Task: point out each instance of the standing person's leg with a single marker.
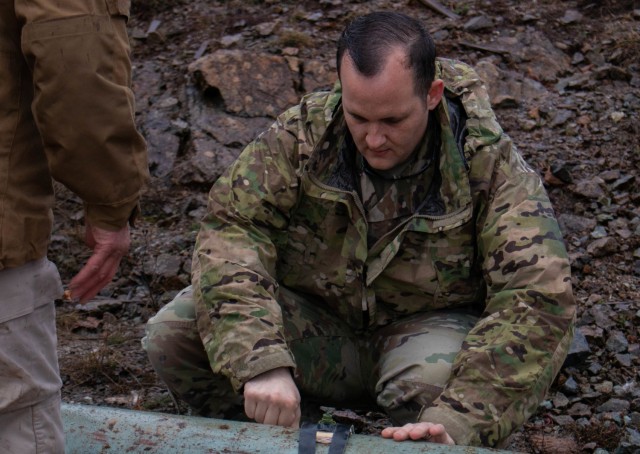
(412, 359)
(30, 419)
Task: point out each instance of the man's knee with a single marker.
(177, 354)
(403, 395)
(172, 342)
(416, 359)
(173, 327)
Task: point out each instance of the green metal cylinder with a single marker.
(91, 429)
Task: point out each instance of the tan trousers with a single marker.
(30, 382)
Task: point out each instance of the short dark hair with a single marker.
(370, 38)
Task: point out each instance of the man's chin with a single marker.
(381, 165)
(379, 161)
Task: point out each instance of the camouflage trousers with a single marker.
(402, 366)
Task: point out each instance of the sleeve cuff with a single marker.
(112, 217)
(456, 425)
(241, 372)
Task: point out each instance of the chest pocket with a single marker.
(431, 271)
(321, 247)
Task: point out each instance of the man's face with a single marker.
(384, 114)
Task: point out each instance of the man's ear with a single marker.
(435, 94)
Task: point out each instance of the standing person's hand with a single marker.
(273, 398)
(434, 433)
(108, 249)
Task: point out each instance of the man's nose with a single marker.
(375, 138)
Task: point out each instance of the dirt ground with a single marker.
(567, 90)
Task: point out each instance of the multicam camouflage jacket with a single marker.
(287, 213)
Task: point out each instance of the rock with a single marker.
(228, 130)
(605, 387)
(593, 333)
(266, 28)
(163, 142)
(231, 40)
(100, 305)
(541, 59)
(623, 183)
(167, 265)
(623, 360)
(602, 247)
(577, 58)
(579, 350)
(561, 117)
(617, 342)
(579, 409)
(617, 117)
(563, 420)
(631, 442)
(571, 16)
(594, 368)
(599, 232)
(508, 88)
(317, 75)
(625, 234)
(603, 316)
(578, 81)
(560, 400)
(570, 223)
(478, 23)
(610, 175)
(611, 72)
(619, 224)
(247, 84)
(589, 188)
(570, 386)
(560, 171)
(627, 389)
(614, 405)
(206, 162)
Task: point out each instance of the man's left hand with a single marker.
(434, 433)
(108, 249)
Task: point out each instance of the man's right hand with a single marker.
(273, 398)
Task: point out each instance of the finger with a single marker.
(260, 412)
(272, 415)
(439, 435)
(296, 420)
(401, 435)
(388, 432)
(93, 277)
(87, 293)
(419, 433)
(289, 418)
(249, 408)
